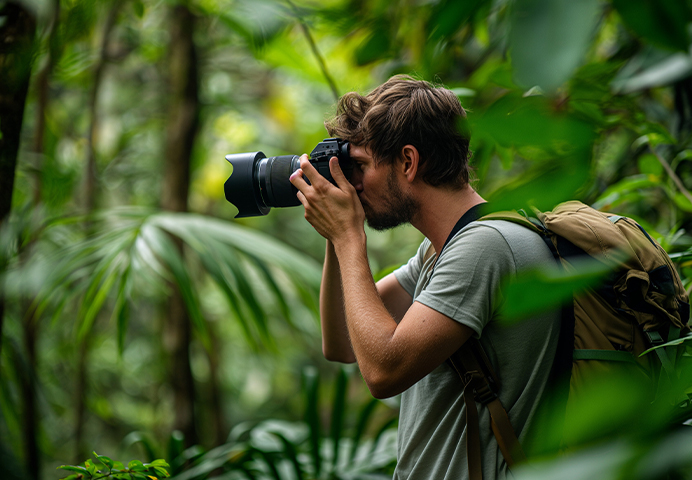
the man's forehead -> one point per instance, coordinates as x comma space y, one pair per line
359, 151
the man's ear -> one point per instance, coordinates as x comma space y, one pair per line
409, 162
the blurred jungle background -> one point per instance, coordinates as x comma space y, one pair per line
141, 320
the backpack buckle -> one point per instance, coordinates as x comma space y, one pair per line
482, 386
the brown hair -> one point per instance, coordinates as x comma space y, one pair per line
405, 111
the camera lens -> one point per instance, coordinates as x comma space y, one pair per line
275, 188
258, 183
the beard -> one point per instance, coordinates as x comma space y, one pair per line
397, 209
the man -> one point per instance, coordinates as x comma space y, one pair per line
411, 165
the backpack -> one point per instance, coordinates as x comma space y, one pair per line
641, 304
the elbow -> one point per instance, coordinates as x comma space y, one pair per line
382, 386
340, 356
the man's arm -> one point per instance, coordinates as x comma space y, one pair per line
336, 345
392, 356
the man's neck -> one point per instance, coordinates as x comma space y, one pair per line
440, 210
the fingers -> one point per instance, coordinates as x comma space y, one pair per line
298, 181
310, 171
338, 175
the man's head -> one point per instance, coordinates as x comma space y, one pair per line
404, 111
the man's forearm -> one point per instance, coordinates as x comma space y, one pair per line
336, 345
370, 325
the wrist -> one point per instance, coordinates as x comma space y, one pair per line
348, 246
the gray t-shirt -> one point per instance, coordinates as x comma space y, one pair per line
465, 286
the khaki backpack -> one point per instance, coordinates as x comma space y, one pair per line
642, 304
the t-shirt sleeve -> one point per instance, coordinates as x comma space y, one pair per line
465, 282
407, 274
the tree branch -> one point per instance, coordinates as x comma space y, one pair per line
315, 51
671, 173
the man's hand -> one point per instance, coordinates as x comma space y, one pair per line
334, 211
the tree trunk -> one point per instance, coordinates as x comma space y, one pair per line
218, 420
181, 131
90, 202
42, 97
30, 415
91, 177
17, 36
16, 50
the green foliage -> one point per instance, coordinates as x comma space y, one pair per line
283, 450
549, 39
586, 100
134, 251
135, 469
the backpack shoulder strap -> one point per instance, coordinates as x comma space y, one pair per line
480, 385
519, 217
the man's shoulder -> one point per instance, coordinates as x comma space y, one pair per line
482, 232
494, 236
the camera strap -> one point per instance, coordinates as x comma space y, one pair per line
481, 384
471, 215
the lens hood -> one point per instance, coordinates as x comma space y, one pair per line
241, 189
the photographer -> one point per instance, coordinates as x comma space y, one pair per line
411, 166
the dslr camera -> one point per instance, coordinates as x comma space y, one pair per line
258, 183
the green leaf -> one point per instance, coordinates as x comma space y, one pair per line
449, 16
95, 303
218, 271
121, 311
542, 187
682, 202
378, 436
138, 6
338, 412
677, 341
649, 164
363, 421
549, 38
161, 472
376, 46
666, 72
196, 229
662, 22
106, 461
628, 184
136, 465
274, 288
138, 437
73, 468
167, 250
385, 271
91, 468
514, 121
312, 415
271, 464
291, 451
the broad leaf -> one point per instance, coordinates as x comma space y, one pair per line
549, 39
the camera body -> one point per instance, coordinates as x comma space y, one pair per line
257, 183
